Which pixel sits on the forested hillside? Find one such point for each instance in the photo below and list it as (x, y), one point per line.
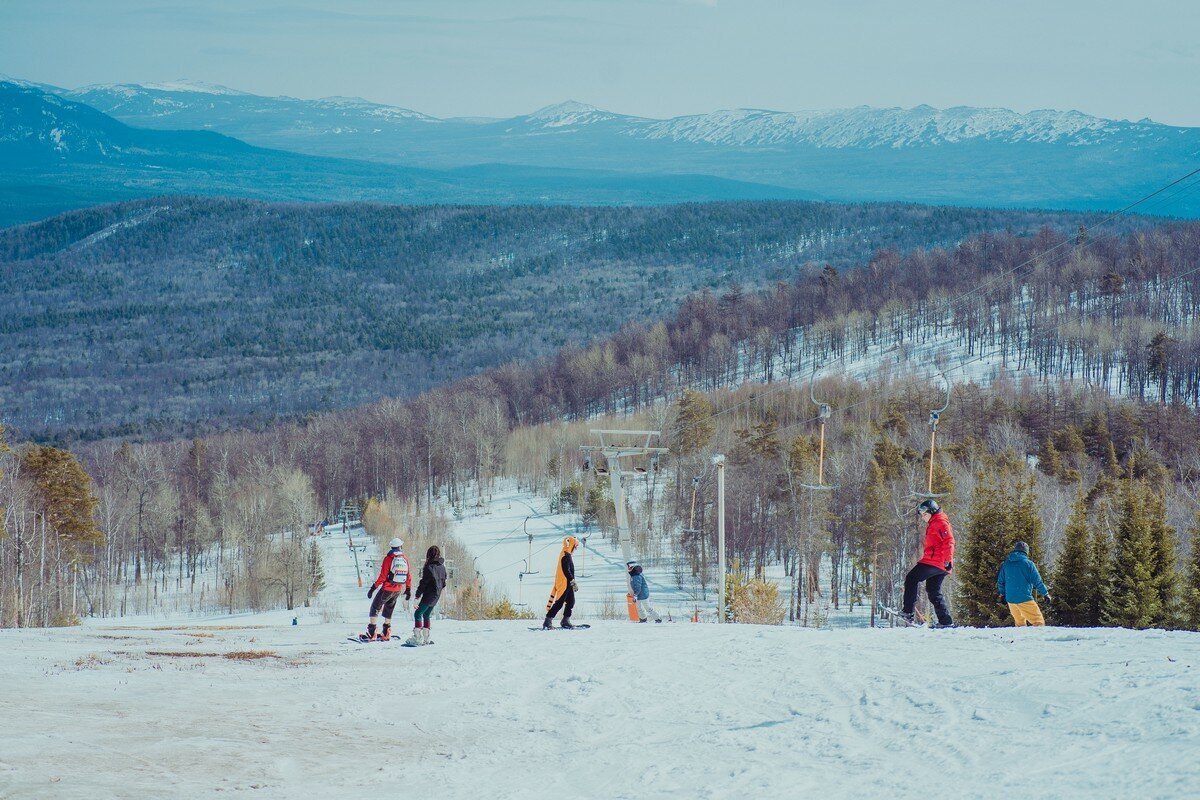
(179, 315)
(1051, 330)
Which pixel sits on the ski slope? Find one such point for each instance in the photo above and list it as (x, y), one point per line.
(619, 711)
(497, 538)
(252, 705)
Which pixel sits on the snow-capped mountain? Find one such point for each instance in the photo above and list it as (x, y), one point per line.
(58, 154)
(889, 127)
(190, 104)
(961, 155)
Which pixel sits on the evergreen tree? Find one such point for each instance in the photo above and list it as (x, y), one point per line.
(871, 528)
(1133, 599)
(1073, 581)
(1191, 601)
(1049, 460)
(1166, 567)
(987, 545)
(1025, 524)
(693, 423)
(1102, 573)
(64, 490)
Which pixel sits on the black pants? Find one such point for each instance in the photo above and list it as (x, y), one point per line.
(932, 577)
(386, 601)
(565, 601)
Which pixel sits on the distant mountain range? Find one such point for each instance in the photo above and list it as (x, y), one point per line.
(961, 156)
(58, 154)
(575, 153)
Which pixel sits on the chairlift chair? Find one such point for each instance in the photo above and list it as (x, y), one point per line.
(824, 412)
(934, 416)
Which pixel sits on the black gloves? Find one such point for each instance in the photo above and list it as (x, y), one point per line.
(1048, 599)
(574, 586)
(370, 592)
(408, 594)
(949, 566)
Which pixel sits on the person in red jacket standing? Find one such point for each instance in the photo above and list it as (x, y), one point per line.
(394, 578)
(935, 564)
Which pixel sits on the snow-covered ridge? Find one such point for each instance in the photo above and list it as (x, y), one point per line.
(571, 113)
(891, 127)
(181, 85)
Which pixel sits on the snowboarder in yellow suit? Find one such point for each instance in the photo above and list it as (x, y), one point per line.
(563, 594)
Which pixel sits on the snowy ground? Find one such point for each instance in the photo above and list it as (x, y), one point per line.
(253, 705)
(619, 711)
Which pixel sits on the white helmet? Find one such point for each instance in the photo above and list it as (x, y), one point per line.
(395, 544)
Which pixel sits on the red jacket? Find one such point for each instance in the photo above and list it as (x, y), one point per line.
(394, 574)
(939, 542)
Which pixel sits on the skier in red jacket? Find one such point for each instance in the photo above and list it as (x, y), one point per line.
(935, 564)
(394, 578)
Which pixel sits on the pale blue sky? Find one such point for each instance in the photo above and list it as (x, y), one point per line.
(648, 57)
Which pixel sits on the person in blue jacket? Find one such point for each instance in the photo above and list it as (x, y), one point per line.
(641, 592)
(1015, 582)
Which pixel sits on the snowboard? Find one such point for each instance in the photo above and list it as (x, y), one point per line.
(895, 615)
(406, 644)
(582, 627)
(357, 640)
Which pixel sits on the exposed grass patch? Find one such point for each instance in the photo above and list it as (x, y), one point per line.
(182, 654)
(251, 655)
(91, 661)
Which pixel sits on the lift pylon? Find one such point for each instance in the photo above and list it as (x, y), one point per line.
(620, 449)
(934, 417)
(824, 412)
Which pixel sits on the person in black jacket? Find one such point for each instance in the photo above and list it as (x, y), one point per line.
(429, 590)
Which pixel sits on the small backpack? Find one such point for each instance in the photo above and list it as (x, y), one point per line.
(399, 569)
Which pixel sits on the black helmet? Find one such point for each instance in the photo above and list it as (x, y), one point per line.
(1021, 547)
(929, 506)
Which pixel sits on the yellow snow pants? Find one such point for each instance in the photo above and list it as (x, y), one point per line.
(1026, 613)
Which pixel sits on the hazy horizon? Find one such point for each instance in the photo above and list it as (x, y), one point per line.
(654, 58)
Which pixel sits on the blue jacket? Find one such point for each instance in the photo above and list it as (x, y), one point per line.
(637, 582)
(1018, 578)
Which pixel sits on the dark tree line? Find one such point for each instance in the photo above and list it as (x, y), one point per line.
(178, 316)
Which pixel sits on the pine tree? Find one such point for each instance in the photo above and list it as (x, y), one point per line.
(1049, 460)
(1191, 602)
(1133, 600)
(693, 423)
(1166, 566)
(987, 544)
(1073, 582)
(871, 529)
(1025, 524)
(1102, 574)
(65, 493)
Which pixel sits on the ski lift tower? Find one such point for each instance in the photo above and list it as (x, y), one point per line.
(624, 453)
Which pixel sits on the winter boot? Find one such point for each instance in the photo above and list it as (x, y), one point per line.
(658, 620)
(643, 619)
(425, 636)
(369, 636)
(547, 624)
(566, 623)
(415, 639)
(387, 632)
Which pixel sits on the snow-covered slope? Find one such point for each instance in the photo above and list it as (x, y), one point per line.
(620, 711)
(891, 127)
(498, 538)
